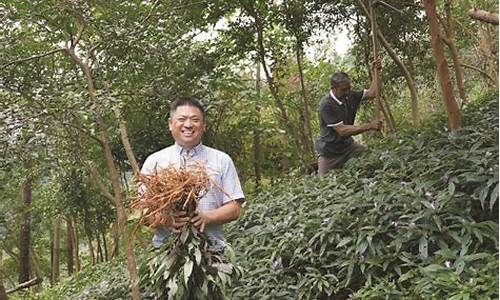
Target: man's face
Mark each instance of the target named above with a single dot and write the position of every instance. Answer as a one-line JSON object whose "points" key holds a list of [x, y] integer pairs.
{"points": [[342, 89], [187, 126]]}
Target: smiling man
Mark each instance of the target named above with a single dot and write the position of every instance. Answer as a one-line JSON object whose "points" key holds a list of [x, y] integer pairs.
{"points": [[337, 112], [187, 124]]}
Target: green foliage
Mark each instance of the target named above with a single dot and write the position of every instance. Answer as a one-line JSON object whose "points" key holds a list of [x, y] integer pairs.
{"points": [[99, 282], [416, 201], [187, 269]]}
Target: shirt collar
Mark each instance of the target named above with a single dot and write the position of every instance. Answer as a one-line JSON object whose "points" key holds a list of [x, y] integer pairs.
{"points": [[191, 152], [335, 98]]}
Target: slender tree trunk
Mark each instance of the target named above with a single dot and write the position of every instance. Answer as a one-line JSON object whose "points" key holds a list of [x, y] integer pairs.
{"points": [[56, 250], [305, 102], [454, 121], [76, 245], [410, 81], [389, 113], [69, 246], [378, 104], [100, 257], [450, 42], [35, 262], [289, 127], [256, 135], [385, 111], [125, 141], [25, 233], [118, 195], [105, 245], [88, 233], [3, 293]]}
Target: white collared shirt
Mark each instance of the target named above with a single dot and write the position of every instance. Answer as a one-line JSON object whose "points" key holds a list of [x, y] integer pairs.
{"points": [[221, 169]]}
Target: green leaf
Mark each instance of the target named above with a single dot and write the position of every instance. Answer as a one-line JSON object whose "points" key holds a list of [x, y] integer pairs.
{"points": [[494, 197], [343, 242], [197, 256], [188, 268], [423, 247]]}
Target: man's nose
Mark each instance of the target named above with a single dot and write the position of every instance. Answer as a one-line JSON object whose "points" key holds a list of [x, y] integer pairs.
{"points": [[188, 123]]}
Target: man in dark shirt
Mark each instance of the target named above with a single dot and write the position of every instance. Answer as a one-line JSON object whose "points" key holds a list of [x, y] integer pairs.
{"points": [[337, 111]]}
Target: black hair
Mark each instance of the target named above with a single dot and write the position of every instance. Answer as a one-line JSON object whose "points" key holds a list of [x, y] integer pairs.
{"points": [[186, 101], [339, 78]]}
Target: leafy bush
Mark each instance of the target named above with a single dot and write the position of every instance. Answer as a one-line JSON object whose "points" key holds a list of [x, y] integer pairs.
{"points": [[415, 218], [104, 281], [416, 215]]}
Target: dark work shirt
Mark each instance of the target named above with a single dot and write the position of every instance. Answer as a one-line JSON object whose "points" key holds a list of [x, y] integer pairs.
{"points": [[331, 113]]}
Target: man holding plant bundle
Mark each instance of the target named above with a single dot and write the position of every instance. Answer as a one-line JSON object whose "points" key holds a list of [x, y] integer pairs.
{"points": [[222, 201], [337, 111]]}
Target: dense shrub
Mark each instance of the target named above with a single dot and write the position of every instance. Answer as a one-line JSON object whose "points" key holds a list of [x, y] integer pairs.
{"points": [[417, 216]]}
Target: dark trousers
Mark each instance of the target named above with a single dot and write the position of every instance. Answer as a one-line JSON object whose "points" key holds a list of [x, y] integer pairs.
{"points": [[325, 164]]}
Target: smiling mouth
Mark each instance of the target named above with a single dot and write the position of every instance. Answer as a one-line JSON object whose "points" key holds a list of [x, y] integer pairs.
{"points": [[187, 132]]}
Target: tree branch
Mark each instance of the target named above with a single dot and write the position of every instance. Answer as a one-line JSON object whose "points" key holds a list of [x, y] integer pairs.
{"points": [[484, 16], [32, 58], [26, 284]]}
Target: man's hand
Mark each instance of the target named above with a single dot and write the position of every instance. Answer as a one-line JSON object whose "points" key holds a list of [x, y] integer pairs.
{"points": [[176, 220], [201, 220], [377, 64], [375, 125]]}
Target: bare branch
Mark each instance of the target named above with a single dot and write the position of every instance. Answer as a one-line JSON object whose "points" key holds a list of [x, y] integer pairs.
{"points": [[31, 58], [484, 16]]}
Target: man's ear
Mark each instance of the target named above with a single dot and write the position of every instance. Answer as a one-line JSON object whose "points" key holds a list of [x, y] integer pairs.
{"points": [[169, 122]]}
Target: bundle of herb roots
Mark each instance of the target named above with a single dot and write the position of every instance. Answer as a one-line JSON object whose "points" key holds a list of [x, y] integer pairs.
{"points": [[185, 267]]}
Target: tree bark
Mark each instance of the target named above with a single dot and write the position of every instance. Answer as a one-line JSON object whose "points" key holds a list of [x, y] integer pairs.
{"points": [[100, 257], [125, 141], [484, 16], [290, 129], [69, 246], [105, 245], [25, 233], [378, 105], [118, 195], [454, 121], [76, 244], [257, 149], [35, 262], [25, 285], [56, 251], [305, 102], [88, 233], [450, 42], [410, 81]]}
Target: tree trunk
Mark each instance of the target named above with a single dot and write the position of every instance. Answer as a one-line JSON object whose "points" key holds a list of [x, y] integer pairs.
{"points": [[76, 245], [35, 262], [290, 129], [100, 257], [451, 105], [125, 141], [88, 233], [56, 251], [410, 81], [484, 16], [105, 245], [3, 293], [305, 102], [118, 195], [450, 42], [378, 104], [257, 150], [69, 246], [25, 233]]}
